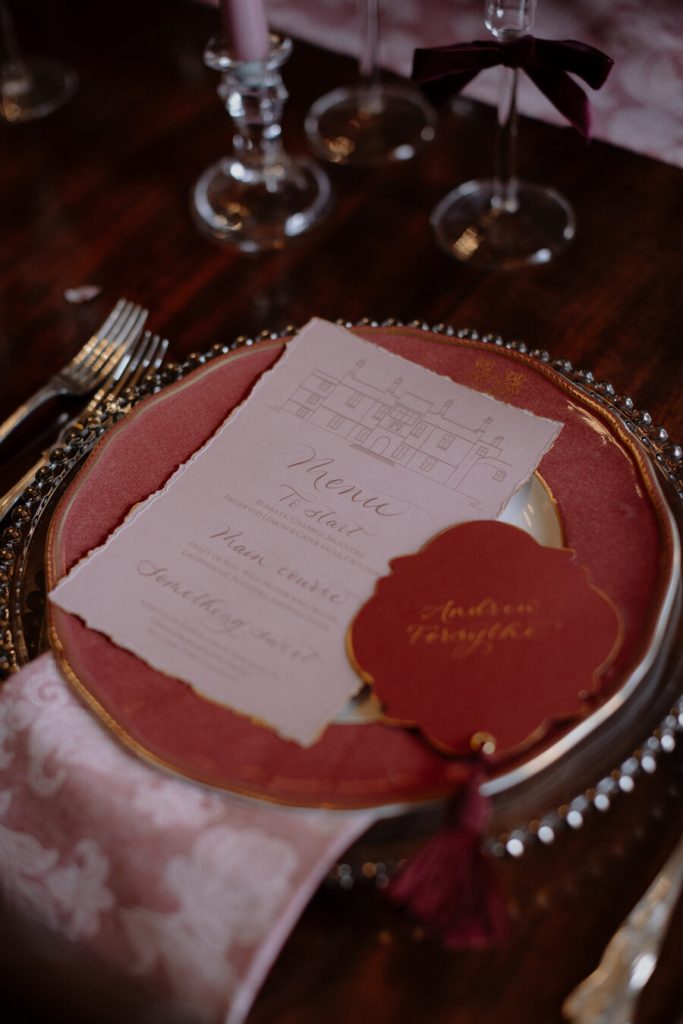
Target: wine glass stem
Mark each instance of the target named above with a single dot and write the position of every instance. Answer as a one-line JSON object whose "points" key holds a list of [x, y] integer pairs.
{"points": [[369, 53], [11, 59], [505, 157], [368, 61]]}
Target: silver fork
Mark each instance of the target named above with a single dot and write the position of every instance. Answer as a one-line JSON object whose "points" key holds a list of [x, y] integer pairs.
{"points": [[90, 366], [146, 356]]}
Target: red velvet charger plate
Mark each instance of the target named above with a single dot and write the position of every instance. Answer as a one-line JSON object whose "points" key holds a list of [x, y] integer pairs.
{"points": [[612, 511]]}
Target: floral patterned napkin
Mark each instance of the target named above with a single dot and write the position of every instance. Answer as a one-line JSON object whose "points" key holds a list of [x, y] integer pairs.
{"points": [[184, 893]]}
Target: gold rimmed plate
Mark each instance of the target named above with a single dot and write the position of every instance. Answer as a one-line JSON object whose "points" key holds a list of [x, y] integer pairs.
{"points": [[597, 493]]}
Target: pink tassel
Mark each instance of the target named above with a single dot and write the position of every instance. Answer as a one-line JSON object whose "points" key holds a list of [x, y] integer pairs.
{"points": [[448, 885]]}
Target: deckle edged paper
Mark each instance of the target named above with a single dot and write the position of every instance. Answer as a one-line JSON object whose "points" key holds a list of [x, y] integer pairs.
{"points": [[241, 575]]}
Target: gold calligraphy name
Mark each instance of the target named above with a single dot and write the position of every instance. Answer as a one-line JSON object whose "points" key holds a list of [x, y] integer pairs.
{"points": [[480, 627]]}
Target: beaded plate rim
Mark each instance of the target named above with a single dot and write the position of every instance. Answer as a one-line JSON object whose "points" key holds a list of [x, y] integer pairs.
{"points": [[665, 454]]}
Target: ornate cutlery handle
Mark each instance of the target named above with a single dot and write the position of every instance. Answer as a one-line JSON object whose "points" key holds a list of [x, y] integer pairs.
{"points": [[610, 994]]}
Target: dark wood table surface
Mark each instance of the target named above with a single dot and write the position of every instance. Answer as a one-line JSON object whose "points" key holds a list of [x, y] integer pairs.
{"points": [[98, 193]]}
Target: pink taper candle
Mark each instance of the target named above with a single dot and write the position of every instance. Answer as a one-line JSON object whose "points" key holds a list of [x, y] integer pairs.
{"points": [[246, 28]]}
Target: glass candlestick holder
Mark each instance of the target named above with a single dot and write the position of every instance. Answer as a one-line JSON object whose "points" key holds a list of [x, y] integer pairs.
{"points": [[259, 197]]}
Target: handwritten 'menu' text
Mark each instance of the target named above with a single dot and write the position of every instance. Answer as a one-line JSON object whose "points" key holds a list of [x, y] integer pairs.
{"points": [[320, 471]]}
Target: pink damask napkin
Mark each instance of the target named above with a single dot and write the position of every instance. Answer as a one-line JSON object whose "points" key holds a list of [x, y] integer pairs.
{"points": [[185, 893]]}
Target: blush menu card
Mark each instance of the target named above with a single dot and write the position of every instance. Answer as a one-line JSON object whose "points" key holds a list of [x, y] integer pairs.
{"points": [[241, 575]]}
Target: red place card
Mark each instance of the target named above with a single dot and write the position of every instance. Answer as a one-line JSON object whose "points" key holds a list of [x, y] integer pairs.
{"points": [[484, 635]]}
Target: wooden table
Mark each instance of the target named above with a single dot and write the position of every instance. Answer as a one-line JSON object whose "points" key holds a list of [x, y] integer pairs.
{"points": [[98, 193]]}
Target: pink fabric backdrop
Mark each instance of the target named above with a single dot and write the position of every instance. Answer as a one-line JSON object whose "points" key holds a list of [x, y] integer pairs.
{"points": [[640, 107]]}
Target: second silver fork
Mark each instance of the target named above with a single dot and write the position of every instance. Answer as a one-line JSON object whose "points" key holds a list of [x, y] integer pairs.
{"points": [[90, 366], [146, 356]]}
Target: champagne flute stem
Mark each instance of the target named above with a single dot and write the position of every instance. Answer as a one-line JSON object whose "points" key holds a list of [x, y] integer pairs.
{"points": [[368, 61], [505, 155]]}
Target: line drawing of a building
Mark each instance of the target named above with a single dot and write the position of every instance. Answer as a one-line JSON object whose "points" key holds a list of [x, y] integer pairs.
{"points": [[400, 428]]}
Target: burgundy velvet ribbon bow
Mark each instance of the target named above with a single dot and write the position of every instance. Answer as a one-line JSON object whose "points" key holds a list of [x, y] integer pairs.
{"points": [[547, 63]]}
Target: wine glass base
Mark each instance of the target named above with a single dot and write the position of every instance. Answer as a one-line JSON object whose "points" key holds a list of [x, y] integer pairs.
{"points": [[367, 125], [469, 225], [257, 210], [34, 88]]}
